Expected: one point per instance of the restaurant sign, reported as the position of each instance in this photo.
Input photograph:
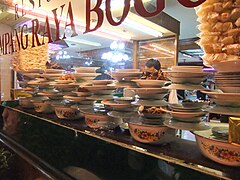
(17, 40)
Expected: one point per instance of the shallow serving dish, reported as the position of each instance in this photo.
(151, 134)
(54, 71)
(185, 87)
(102, 82)
(230, 89)
(198, 126)
(117, 106)
(185, 74)
(157, 103)
(82, 94)
(65, 112)
(196, 80)
(150, 83)
(216, 149)
(194, 116)
(127, 70)
(124, 100)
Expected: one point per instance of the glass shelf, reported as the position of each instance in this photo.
(180, 153)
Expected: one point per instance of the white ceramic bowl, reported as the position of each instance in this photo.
(86, 69)
(150, 83)
(217, 150)
(64, 112)
(124, 100)
(151, 134)
(101, 121)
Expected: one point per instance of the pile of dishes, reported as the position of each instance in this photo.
(85, 74)
(186, 77)
(228, 77)
(148, 126)
(226, 97)
(186, 116)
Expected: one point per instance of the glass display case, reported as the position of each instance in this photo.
(66, 149)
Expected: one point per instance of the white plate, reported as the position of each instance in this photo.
(224, 110)
(63, 86)
(86, 69)
(150, 83)
(226, 102)
(227, 66)
(82, 94)
(102, 82)
(54, 71)
(64, 81)
(127, 70)
(185, 74)
(51, 95)
(99, 88)
(74, 98)
(124, 84)
(186, 126)
(189, 80)
(186, 116)
(230, 89)
(115, 105)
(147, 91)
(51, 76)
(158, 103)
(187, 68)
(185, 87)
(81, 75)
(99, 97)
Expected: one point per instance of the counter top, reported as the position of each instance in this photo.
(180, 152)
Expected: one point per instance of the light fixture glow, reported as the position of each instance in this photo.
(141, 27)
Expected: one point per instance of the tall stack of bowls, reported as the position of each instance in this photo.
(96, 117)
(227, 95)
(85, 74)
(188, 114)
(148, 126)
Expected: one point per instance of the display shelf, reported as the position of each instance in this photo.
(180, 152)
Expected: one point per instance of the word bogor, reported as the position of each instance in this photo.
(17, 40)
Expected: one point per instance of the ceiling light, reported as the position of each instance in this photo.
(141, 27)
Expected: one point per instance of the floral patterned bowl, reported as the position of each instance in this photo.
(100, 120)
(151, 134)
(43, 107)
(216, 149)
(65, 112)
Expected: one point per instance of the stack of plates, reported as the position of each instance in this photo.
(186, 77)
(226, 103)
(185, 114)
(186, 117)
(228, 82)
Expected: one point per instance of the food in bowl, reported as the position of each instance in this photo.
(151, 134)
(152, 112)
(69, 113)
(66, 77)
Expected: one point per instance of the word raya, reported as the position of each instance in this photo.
(18, 39)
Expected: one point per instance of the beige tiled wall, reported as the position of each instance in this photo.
(5, 64)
